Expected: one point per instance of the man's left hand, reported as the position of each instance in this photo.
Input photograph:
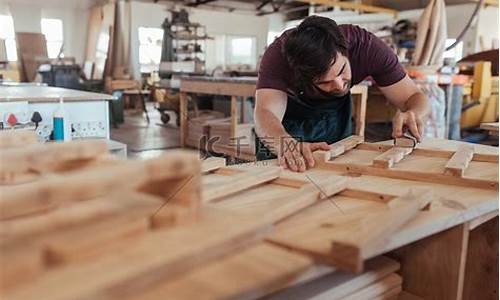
(407, 120)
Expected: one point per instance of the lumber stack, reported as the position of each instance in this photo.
(198, 128)
(220, 130)
(379, 281)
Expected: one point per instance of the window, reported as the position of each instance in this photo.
(101, 54)
(7, 33)
(53, 31)
(456, 53)
(150, 40)
(241, 50)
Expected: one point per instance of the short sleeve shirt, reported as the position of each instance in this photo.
(367, 54)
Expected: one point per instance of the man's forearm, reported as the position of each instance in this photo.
(269, 127)
(419, 104)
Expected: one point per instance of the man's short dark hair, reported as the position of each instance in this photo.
(312, 46)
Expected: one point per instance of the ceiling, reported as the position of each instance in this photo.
(293, 8)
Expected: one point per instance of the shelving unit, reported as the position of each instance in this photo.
(189, 44)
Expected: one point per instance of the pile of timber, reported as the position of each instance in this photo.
(244, 137)
(379, 281)
(198, 128)
(78, 224)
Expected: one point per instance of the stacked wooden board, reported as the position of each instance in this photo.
(198, 128)
(239, 232)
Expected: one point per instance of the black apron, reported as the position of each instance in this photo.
(314, 121)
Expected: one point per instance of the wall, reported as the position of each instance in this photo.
(217, 23)
(74, 14)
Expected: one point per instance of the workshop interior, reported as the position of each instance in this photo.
(259, 149)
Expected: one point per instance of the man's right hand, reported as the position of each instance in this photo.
(297, 156)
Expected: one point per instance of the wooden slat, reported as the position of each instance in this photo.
(391, 156)
(337, 285)
(338, 148)
(212, 164)
(95, 239)
(240, 182)
(460, 161)
(78, 213)
(410, 175)
(378, 289)
(249, 274)
(429, 152)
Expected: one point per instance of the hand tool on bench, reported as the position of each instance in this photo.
(406, 141)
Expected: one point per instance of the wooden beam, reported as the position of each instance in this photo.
(354, 6)
(391, 156)
(460, 161)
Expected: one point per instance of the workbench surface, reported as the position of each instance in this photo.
(47, 94)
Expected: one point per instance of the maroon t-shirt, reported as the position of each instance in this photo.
(367, 54)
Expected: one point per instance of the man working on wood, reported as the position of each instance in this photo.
(303, 90)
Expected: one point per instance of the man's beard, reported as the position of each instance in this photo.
(335, 94)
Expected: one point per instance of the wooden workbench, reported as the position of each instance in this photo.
(245, 87)
(251, 230)
(446, 252)
(35, 94)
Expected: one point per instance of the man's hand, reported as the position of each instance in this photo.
(297, 156)
(407, 120)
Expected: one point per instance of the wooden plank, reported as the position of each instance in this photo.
(212, 163)
(459, 161)
(249, 274)
(78, 213)
(390, 157)
(481, 270)
(157, 257)
(218, 88)
(350, 168)
(183, 115)
(50, 192)
(337, 285)
(429, 152)
(367, 195)
(234, 118)
(19, 265)
(47, 157)
(17, 138)
(349, 251)
(240, 182)
(338, 148)
(378, 289)
(106, 236)
(433, 268)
